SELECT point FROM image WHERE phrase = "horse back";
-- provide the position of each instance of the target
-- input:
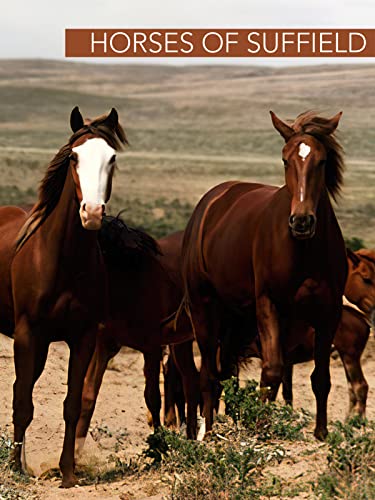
(215, 231)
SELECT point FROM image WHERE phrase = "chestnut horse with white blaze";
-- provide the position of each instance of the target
(274, 252)
(53, 281)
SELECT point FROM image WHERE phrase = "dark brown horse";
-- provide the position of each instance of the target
(351, 336)
(53, 282)
(274, 252)
(144, 284)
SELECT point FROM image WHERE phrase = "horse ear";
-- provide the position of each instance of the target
(283, 128)
(333, 123)
(76, 120)
(112, 119)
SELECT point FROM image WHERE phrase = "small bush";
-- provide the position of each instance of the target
(351, 462)
(226, 466)
(230, 462)
(263, 420)
(354, 243)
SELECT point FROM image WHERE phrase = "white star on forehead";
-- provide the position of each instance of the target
(304, 151)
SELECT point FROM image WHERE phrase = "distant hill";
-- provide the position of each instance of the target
(196, 125)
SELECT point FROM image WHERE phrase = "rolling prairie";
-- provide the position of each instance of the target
(188, 127)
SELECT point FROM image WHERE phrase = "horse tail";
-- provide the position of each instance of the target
(184, 307)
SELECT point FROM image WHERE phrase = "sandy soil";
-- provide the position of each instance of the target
(120, 427)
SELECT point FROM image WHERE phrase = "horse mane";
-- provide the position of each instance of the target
(52, 184)
(319, 127)
(123, 246)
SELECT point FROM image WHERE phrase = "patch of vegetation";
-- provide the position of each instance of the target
(12, 195)
(354, 243)
(225, 466)
(231, 462)
(262, 420)
(351, 462)
(5, 448)
(13, 485)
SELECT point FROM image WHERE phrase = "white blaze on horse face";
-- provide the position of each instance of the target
(93, 169)
(304, 151)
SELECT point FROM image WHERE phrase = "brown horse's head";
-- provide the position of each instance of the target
(313, 161)
(360, 285)
(92, 162)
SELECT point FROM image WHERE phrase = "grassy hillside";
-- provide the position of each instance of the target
(189, 128)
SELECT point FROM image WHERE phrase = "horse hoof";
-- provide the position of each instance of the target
(16, 463)
(16, 466)
(321, 433)
(69, 482)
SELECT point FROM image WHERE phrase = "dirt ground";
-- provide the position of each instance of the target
(120, 427)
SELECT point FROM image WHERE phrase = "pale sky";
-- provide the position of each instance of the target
(36, 28)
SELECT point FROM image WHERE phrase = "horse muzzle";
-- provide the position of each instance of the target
(91, 216)
(302, 226)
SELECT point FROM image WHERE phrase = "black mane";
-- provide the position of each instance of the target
(122, 245)
(52, 184)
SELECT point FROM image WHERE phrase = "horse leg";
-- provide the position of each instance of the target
(321, 380)
(357, 384)
(30, 356)
(184, 359)
(81, 352)
(287, 382)
(208, 328)
(169, 373)
(152, 396)
(105, 350)
(269, 334)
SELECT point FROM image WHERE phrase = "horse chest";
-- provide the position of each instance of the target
(312, 289)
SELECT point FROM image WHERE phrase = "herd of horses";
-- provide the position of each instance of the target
(259, 271)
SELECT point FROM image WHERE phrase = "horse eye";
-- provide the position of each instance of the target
(73, 156)
(285, 162)
(368, 281)
(113, 159)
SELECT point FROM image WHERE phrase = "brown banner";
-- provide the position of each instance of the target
(220, 43)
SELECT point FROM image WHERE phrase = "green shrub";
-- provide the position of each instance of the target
(354, 243)
(229, 463)
(225, 466)
(263, 420)
(351, 462)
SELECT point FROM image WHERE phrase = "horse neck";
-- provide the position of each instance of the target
(63, 230)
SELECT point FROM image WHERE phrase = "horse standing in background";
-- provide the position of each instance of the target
(53, 281)
(144, 288)
(351, 336)
(277, 253)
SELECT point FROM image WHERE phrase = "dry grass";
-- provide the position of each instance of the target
(189, 128)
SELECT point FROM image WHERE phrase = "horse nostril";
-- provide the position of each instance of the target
(304, 220)
(302, 223)
(84, 207)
